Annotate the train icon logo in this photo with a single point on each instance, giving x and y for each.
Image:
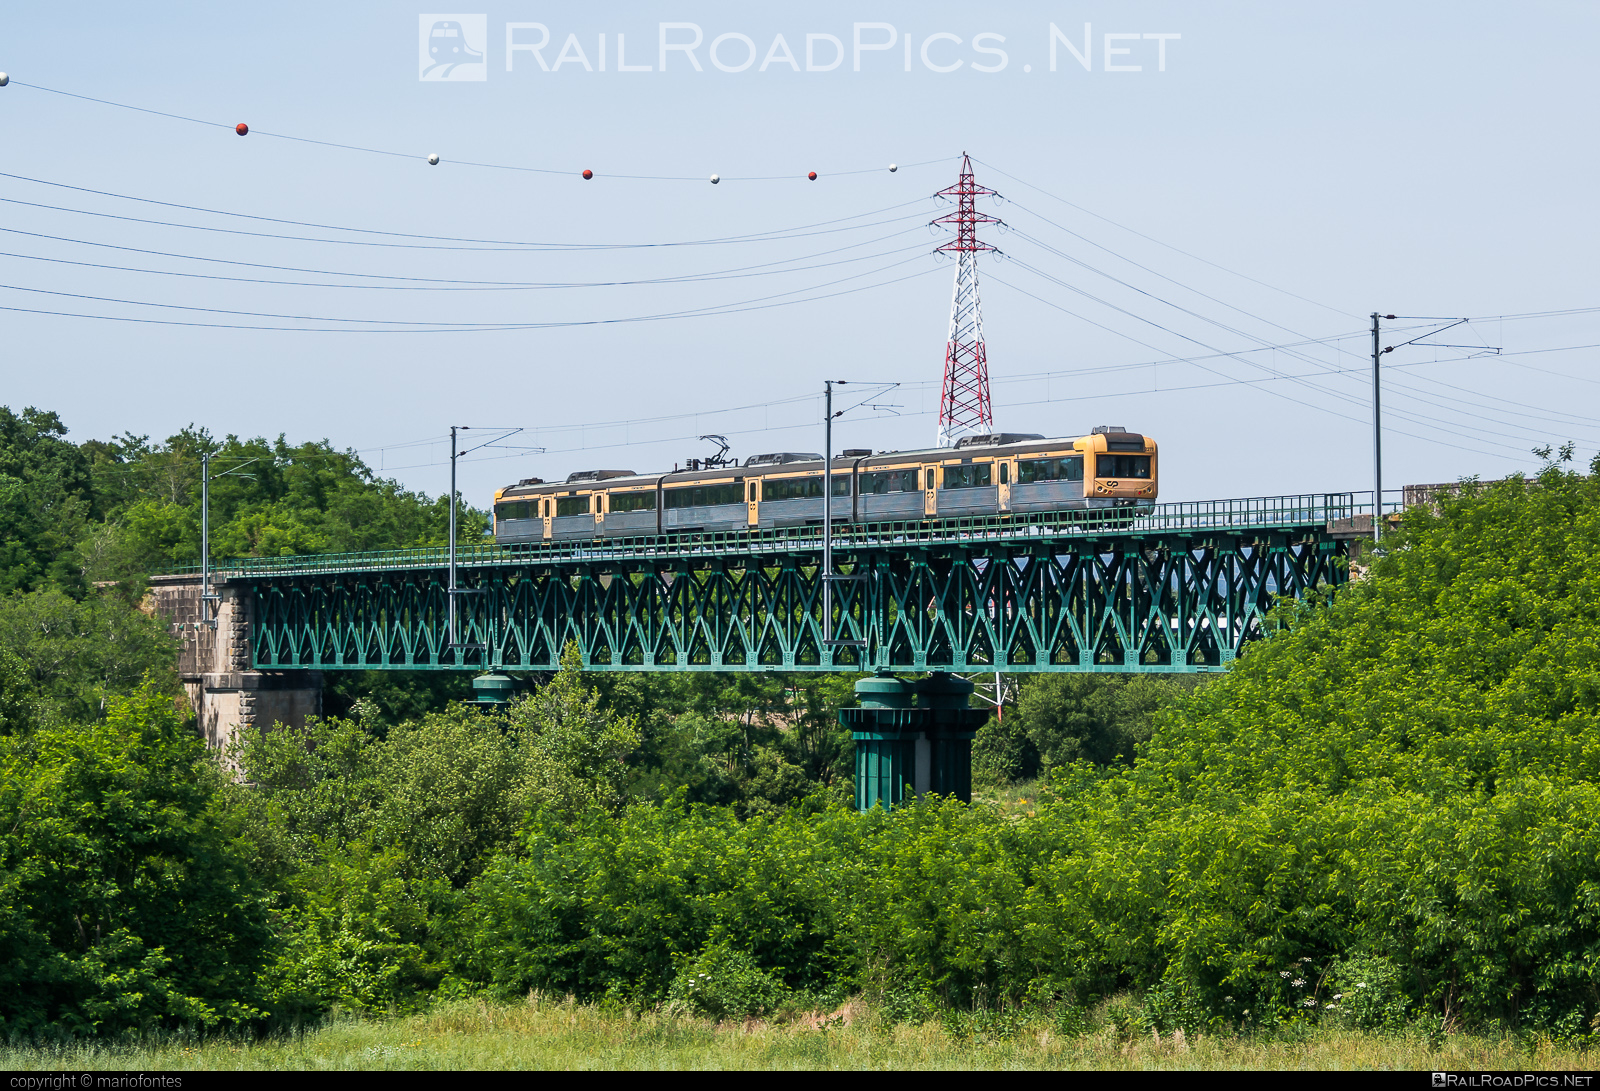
(452, 47)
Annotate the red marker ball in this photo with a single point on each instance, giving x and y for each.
(812, 176)
(241, 128)
(588, 174)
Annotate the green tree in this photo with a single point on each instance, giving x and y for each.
(123, 904)
(46, 498)
(78, 654)
(1100, 718)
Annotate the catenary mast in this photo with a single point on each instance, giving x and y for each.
(964, 407)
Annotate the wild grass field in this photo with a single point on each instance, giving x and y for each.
(542, 1033)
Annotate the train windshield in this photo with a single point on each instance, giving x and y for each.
(1132, 466)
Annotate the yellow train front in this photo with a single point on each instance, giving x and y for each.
(981, 475)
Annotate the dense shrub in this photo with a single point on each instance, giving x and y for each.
(122, 903)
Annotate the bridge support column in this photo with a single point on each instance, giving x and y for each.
(238, 703)
(903, 750)
(229, 696)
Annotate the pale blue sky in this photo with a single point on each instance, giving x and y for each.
(1421, 159)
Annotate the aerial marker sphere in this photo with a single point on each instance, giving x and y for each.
(715, 178)
(433, 159)
(588, 174)
(241, 128)
(893, 167)
(4, 79)
(812, 175)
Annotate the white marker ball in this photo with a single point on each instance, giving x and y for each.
(893, 167)
(4, 79)
(433, 159)
(715, 178)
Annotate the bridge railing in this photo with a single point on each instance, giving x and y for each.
(1327, 511)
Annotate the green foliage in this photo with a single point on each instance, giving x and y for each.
(572, 751)
(357, 936)
(760, 742)
(1367, 992)
(724, 982)
(46, 498)
(123, 905)
(77, 654)
(1100, 718)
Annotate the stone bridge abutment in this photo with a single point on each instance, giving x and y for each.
(228, 695)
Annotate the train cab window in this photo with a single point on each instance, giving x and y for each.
(1136, 467)
(572, 505)
(1033, 470)
(890, 481)
(633, 501)
(794, 488)
(972, 475)
(512, 509)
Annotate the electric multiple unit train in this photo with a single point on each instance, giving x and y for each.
(980, 475)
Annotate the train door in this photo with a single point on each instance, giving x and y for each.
(599, 502)
(544, 516)
(1003, 471)
(930, 489)
(753, 503)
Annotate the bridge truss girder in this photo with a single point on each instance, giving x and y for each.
(1158, 603)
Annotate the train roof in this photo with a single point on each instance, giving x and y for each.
(801, 462)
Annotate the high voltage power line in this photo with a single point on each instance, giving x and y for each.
(1462, 408)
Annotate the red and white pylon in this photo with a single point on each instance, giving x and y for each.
(964, 408)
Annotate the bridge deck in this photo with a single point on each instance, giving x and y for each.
(1181, 588)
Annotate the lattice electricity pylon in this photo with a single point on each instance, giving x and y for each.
(965, 407)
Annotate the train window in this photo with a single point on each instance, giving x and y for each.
(841, 484)
(547, 509)
(796, 488)
(703, 496)
(1005, 473)
(1049, 469)
(512, 509)
(633, 501)
(752, 492)
(973, 475)
(1131, 466)
(890, 481)
(572, 505)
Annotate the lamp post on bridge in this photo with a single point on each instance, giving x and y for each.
(206, 595)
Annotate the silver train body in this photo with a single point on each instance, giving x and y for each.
(982, 475)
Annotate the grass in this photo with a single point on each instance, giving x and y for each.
(1020, 798)
(545, 1034)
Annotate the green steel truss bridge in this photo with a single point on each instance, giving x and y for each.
(1182, 588)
